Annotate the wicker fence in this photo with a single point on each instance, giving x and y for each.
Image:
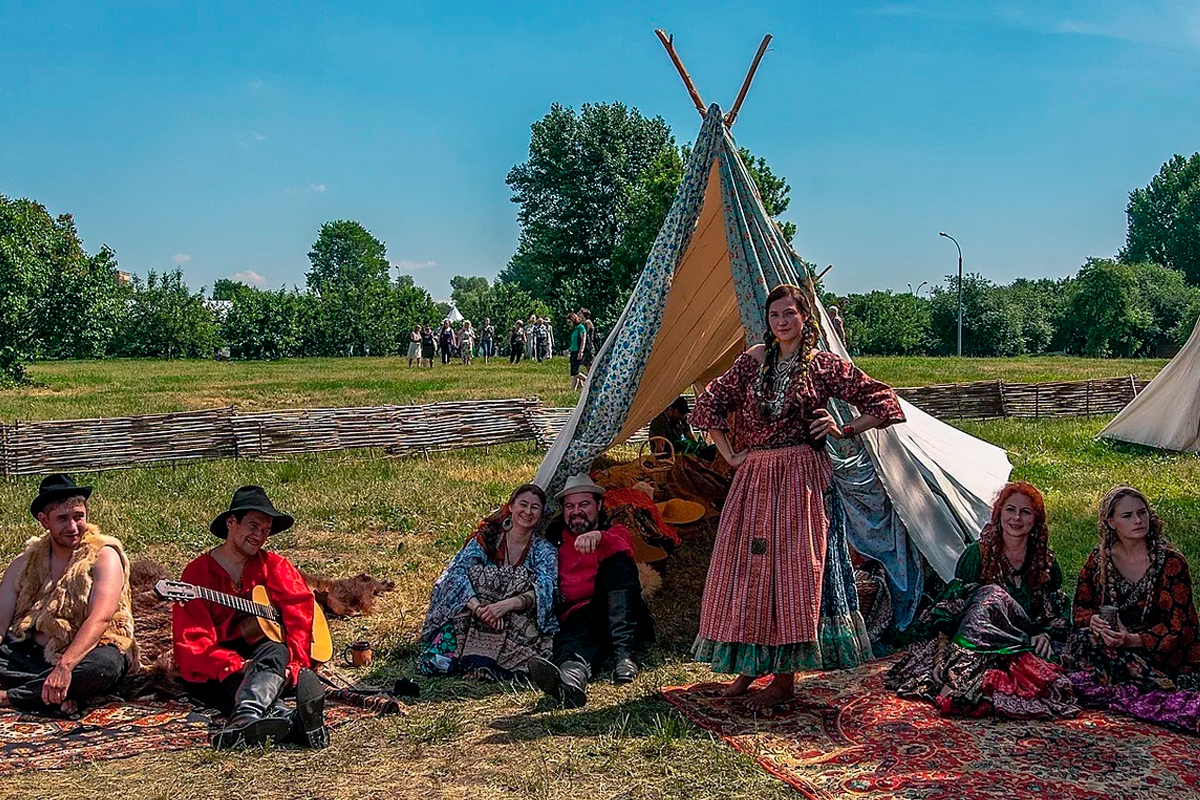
(33, 448)
(991, 399)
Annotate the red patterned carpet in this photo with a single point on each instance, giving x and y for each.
(116, 730)
(845, 736)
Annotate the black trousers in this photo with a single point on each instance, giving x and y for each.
(24, 669)
(584, 635)
(266, 656)
(514, 356)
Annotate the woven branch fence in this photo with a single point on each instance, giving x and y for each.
(81, 445)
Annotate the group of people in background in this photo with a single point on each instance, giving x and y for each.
(527, 339)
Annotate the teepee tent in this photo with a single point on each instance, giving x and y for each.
(455, 315)
(1166, 414)
(922, 487)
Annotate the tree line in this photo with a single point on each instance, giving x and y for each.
(591, 198)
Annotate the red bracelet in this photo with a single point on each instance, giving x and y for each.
(848, 431)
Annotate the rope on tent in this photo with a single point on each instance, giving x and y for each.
(731, 117)
(669, 43)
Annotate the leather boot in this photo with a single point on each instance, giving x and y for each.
(308, 720)
(565, 684)
(622, 630)
(250, 725)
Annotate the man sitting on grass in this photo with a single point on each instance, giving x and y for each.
(241, 679)
(65, 611)
(601, 607)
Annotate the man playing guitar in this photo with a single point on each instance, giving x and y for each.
(244, 679)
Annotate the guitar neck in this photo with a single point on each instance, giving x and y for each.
(239, 603)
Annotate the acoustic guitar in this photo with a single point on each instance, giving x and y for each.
(262, 620)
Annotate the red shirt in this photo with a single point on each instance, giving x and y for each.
(203, 629)
(577, 571)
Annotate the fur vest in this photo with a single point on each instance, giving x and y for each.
(58, 609)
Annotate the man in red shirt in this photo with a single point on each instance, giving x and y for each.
(600, 601)
(219, 667)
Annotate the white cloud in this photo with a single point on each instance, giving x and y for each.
(411, 266)
(181, 258)
(249, 277)
(312, 188)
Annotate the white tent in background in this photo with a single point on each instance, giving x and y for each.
(699, 302)
(455, 315)
(1167, 412)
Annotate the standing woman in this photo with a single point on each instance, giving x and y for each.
(446, 341)
(516, 343)
(487, 340)
(590, 346)
(578, 342)
(428, 345)
(1136, 648)
(762, 598)
(414, 346)
(466, 342)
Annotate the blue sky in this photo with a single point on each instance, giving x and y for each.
(219, 139)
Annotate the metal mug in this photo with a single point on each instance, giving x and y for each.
(357, 654)
(1109, 615)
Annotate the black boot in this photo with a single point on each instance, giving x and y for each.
(308, 720)
(622, 630)
(565, 684)
(250, 724)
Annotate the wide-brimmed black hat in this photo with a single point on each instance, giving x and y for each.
(56, 487)
(251, 498)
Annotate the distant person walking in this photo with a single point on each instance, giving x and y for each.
(548, 331)
(487, 340)
(839, 325)
(578, 343)
(428, 345)
(414, 346)
(516, 343)
(446, 341)
(466, 342)
(590, 347)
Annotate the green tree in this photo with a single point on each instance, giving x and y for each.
(1164, 219)
(773, 190)
(1108, 316)
(165, 319)
(261, 324)
(346, 257)
(56, 301)
(886, 324)
(991, 327)
(574, 194)
(227, 289)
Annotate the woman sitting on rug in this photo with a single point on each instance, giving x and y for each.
(492, 610)
(1004, 607)
(762, 607)
(1136, 649)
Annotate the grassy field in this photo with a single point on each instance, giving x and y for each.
(117, 388)
(402, 518)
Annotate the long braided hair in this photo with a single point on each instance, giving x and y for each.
(499, 522)
(994, 566)
(810, 335)
(1155, 543)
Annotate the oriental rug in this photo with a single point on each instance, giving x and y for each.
(845, 736)
(119, 729)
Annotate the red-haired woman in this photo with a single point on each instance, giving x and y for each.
(492, 609)
(761, 613)
(1136, 648)
(997, 622)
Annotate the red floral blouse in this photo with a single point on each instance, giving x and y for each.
(1167, 624)
(827, 376)
(203, 630)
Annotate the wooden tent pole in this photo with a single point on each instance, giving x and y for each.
(822, 275)
(669, 43)
(731, 117)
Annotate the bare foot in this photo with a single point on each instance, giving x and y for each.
(69, 707)
(738, 687)
(781, 689)
(4, 699)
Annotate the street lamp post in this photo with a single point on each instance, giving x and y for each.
(951, 238)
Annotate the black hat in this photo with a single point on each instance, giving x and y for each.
(251, 498)
(56, 487)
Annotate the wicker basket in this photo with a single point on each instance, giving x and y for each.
(656, 463)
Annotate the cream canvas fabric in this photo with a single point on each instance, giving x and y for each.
(1167, 412)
